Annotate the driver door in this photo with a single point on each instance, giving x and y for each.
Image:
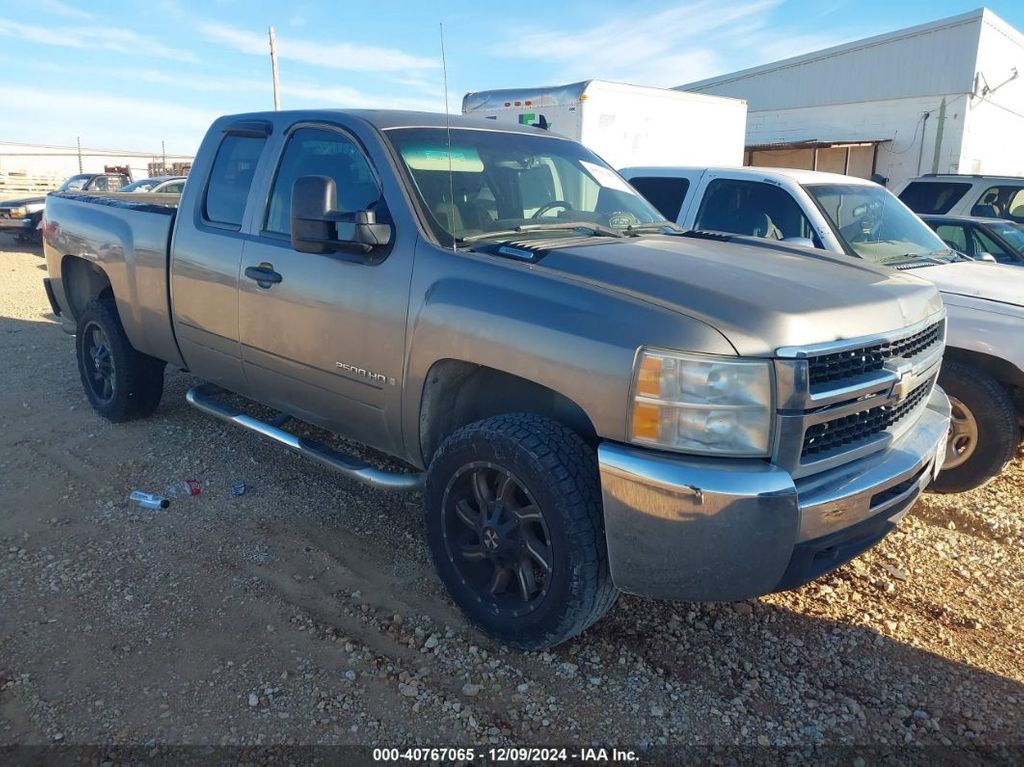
(325, 342)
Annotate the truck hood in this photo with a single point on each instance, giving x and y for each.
(978, 279)
(760, 297)
(26, 201)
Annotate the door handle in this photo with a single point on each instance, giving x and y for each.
(264, 275)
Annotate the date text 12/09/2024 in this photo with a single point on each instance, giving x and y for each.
(502, 755)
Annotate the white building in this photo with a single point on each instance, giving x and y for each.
(944, 97)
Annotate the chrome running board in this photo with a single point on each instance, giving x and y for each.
(202, 398)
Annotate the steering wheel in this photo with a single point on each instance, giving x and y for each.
(551, 206)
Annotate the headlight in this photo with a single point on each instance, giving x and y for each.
(19, 212)
(702, 404)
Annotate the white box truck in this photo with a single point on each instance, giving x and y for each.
(626, 124)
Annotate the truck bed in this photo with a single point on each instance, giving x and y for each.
(128, 236)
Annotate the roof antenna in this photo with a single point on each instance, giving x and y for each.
(448, 127)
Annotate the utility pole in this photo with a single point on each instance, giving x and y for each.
(273, 69)
(163, 151)
(78, 140)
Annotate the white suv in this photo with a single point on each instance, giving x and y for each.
(982, 196)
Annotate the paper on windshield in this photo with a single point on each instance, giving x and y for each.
(605, 177)
(463, 159)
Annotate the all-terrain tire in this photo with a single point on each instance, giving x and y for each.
(120, 382)
(992, 410)
(557, 472)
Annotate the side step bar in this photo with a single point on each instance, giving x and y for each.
(202, 398)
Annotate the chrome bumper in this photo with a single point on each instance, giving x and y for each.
(17, 224)
(721, 529)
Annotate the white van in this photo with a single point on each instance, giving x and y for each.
(983, 371)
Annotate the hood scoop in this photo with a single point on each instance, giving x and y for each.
(533, 248)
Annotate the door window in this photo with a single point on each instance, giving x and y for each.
(985, 244)
(319, 152)
(954, 236)
(1001, 202)
(935, 197)
(752, 208)
(665, 194)
(230, 179)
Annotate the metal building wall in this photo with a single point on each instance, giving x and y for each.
(931, 59)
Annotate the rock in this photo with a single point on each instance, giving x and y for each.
(350, 675)
(522, 688)
(470, 690)
(657, 711)
(432, 642)
(408, 690)
(896, 572)
(742, 608)
(254, 699)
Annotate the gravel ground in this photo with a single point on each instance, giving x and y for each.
(306, 611)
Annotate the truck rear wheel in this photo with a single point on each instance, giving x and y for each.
(514, 523)
(120, 382)
(983, 434)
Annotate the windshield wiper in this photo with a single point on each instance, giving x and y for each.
(648, 228)
(598, 230)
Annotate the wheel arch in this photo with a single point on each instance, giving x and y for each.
(457, 393)
(83, 281)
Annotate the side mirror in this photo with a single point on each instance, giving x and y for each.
(318, 227)
(985, 257)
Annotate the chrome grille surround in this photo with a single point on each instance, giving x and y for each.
(821, 424)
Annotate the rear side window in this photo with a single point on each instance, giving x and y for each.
(665, 194)
(1001, 202)
(230, 179)
(318, 152)
(933, 196)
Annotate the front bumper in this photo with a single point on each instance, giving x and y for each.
(18, 225)
(725, 529)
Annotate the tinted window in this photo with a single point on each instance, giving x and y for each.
(665, 194)
(954, 236)
(230, 179)
(985, 244)
(754, 209)
(932, 196)
(1001, 202)
(315, 152)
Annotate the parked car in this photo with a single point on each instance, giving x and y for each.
(961, 195)
(589, 401)
(984, 369)
(21, 217)
(981, 238)
(157, 185)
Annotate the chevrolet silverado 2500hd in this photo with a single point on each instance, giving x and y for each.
(588, 401)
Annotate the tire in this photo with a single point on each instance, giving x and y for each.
(984, 434)
(119, 382)
(539, 482)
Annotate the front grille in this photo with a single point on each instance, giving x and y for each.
(898, 489)
(857, 427)
(838, 366)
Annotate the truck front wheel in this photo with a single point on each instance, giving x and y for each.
(983, 434)
(515, 527)
(120, 382)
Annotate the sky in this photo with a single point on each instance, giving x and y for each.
(128, 75)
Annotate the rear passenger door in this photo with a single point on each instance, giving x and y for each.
(326, 343)
(206, 256)
(753, 209)
(665, 193)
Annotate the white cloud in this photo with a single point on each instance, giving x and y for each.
(679, 44)
(94, 38)
(101, 120)
(335, 55)
(61, 9)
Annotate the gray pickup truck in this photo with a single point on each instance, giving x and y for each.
(589, 400)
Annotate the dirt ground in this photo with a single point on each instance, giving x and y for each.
(306, 610)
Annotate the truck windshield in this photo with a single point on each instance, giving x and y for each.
(75, 183)
(871, 223)
(495, 181)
